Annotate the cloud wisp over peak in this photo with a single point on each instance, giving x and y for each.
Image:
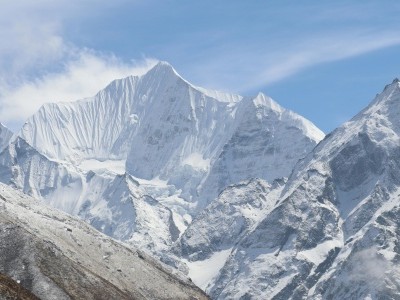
(80, 78)
(38, 64)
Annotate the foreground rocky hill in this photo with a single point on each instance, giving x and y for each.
(56, 256)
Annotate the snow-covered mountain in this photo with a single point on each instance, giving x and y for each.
(179, 145)
(149, 156)
(334, 231)
(166, 129)
(267, 143)
(232, 190)
(56, 256)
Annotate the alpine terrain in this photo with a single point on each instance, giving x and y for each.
(333, 231)
(143, 157)
(248, 199)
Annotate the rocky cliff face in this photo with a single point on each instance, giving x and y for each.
(334, 231)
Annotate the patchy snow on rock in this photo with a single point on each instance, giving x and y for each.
(116, 166)
(334, 230)
(203, 272)
(318, 254)
(196, 161)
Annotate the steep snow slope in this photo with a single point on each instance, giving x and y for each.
(335, 232)
(103, 127)
(120, 208)
(268, 142)
(59, 257)
(220, 144)
(84, 129)
(5, 136)
(180, 121)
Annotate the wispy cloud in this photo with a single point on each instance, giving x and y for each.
(248, 69)
(38, 65)
(33, 35)
(28, 44)
(369, 266)
(293, 37)
(323, 49)
(81, 77)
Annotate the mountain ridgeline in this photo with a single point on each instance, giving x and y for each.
(248, 199)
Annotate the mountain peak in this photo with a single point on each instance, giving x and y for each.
(163, 63)
(385, 101)
(395, 83)
(163, 68)
(266, 101)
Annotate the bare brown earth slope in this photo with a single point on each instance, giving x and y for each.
(10, 290)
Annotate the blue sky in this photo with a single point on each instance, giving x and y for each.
(323, 59)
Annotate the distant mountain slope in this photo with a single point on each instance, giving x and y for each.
(105, 126)
(334, 234)
(267, 143)
(59, 257)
